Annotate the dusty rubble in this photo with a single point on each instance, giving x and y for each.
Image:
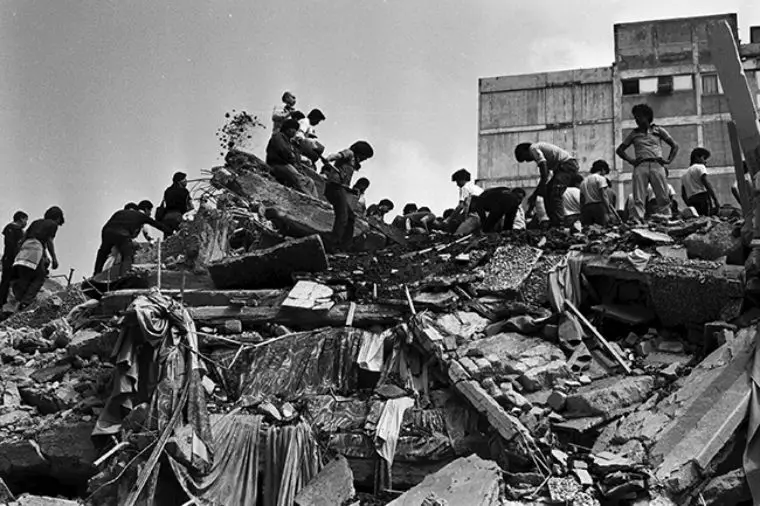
(431, 373)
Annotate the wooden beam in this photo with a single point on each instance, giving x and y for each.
(741, 183)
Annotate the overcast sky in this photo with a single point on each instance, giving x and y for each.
(101, 101)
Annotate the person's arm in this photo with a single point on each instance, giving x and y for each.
(665, 136)
(710, 190)
(147, 220)
(280, 114)
(683, 194)
(621, 150)
(53, 256)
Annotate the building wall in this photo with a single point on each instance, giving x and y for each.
(587, 111)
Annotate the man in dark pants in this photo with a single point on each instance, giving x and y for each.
(339, 170)
(13, 233)
(30, 267)
(549, 159)
(496, 203)
(119, 231)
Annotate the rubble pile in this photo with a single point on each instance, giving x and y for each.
(524, 368)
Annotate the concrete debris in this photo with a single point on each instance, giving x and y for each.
(718, 241)
(470, 480)
(607, 396)
(508, 269)
(729, 488)
(333, 485)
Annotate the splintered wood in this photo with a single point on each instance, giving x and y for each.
(508, 269)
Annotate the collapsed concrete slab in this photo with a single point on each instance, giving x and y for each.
(508, 269)
(716, 242)
(685, 432)
(472, 481)
(271, 267)
(607, 396)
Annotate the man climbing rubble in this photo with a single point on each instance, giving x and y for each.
(119, 231)
(13, 233)
(31, 263)
(549, 159)
(309, 147)
(176, 203)
(283, 112)
(338, 169)
(463, 221)
(282, 158)
(379, 210)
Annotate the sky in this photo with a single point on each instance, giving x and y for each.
(102, 101)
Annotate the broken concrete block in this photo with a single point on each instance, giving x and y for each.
(508, 269)
(544, 376)
(505, 424)
(233, 327)
(643, 348)
(88, 342)
(272, 267)
(38, 500)
(584, 477)
(557, 401)
(606, 396)
(333, 485)
(516, 353)
(472, 481)
(13, 417)
(470, 366)
(729, 488)
(632, 339)
(644, 236)
(10, 395)
(51, 374)
(464, 324)
(310, 295)
(670, 346)
(717, 242)
(563, 490)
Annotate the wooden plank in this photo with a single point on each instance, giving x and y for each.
(741, 183)
(599, 336)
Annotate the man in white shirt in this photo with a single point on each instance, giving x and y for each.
(596, 205)
(696, 190)
(465, 221)
(571, 201)
(310, 148)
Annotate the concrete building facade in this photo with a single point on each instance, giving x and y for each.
(664, 63)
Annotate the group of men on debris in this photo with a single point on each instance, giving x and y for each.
(29, 252)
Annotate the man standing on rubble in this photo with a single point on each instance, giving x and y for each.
(549, 159)
(306, 137)
(648, 164)
(13, 233)
(339, 169)
(282, 157)
(463, 221)
(496, 203)
(119, 231)
(283, 112)
(696, 190)
(30, 267)
(596, 206)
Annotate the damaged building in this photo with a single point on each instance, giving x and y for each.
(238, 363)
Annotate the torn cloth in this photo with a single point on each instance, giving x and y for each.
(389, 426)
(371, 353)
(752, 450)
(564, 283)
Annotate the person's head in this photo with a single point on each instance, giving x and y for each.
(145, 206)
(315, 117)
(600, 167)
(297, 115)
(361, 184)
(180, 178)
(130, 206)
(424, 209)
(55, 214)
(522, 152)
(519, 192)
(410, 208)
(21, 218)
(576, 180)
(385, 206)
(700, 155)
(289, 128)
(643, 114)
(289, 99)
(461, 177)
(362, 150)
(447, 213)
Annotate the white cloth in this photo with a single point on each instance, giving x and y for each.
(469, 190)
(592, 188)
(306, 129)
(691, 181)
(571, 201)
(519, 223)
(389, 426)
(371, 353)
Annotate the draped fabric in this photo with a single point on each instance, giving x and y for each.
(752, 450)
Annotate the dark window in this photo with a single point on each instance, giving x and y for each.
(665, 84)
(630, 86)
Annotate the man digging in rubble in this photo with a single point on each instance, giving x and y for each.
(359, 200)
(696, 190)
(596, 206)
(648, 164)
(463, 221)
(13, 233)
(30, 267)
(338, 170)
(118, 233)
(495, 204)
(176, 203)
(571, 202)
(282, 157)
(549, 159)
(309, 147)
(281, 113)
(379, 210)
